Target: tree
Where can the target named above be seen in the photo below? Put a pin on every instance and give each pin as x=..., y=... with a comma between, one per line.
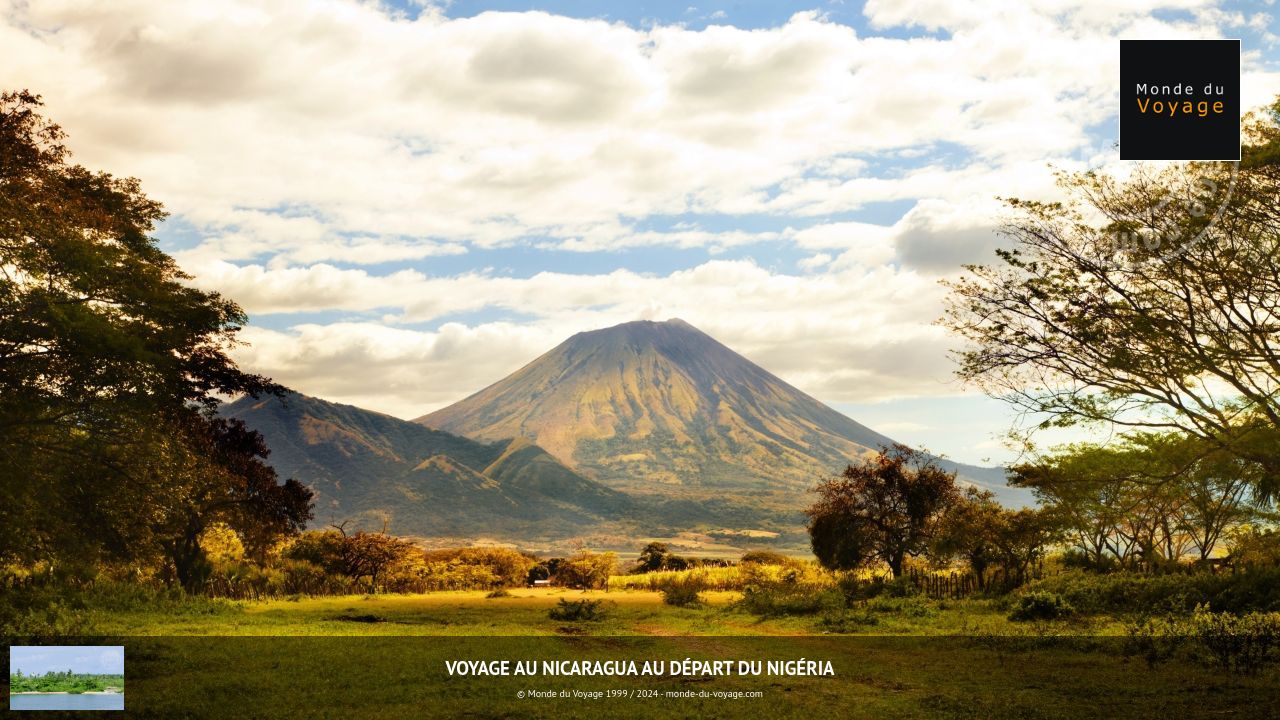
x=1162, y=315
x=1020, y=538
x=654, y=556
x=1085, y=489
x=1145, y=499
x=111, y=369
x=217, y=465
x=1215, y=489
x=587, y=570
x=986, y=535
x=968, y=530
x=369, y=554
x=883, y=510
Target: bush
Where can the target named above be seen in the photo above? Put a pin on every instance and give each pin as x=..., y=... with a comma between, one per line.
x=499, y=593
x=1251, y=546
x=1237, y=643
x=1155, y=639
x=1256, y=589
x=587, y=570
x=772, y=600
x=504, y=567
x=914, y=606
x=577, y=611
x=683, y=591
x=1040, y=606
x=844, y=621
x=899, y=587
x=765, y=557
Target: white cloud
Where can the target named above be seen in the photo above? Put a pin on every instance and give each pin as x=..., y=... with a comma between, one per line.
x=859, y=334
x=815, y=262
x=505, y=126
x=301, y=139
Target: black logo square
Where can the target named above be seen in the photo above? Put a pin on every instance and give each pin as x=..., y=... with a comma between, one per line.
x=1179, y=99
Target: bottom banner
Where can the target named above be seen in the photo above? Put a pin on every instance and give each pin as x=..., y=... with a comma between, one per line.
x=670, y=677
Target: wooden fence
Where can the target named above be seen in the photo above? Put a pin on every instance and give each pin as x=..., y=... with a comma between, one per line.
x=956, y=585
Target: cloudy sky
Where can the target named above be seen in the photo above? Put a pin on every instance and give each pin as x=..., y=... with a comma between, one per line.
x=89, y=659
x=413, y=199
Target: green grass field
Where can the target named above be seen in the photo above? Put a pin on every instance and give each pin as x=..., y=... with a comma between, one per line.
x=628, y=612
x=384, y=656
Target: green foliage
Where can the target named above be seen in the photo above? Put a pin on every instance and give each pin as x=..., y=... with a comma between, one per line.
x=788, y=590
x=1252, y=546
x=1039, y=605
x=1237, y=643
x=845, y=621
x=779, y=600
x=113, y=364
x=1108, y=306
x=496, y=594
x=765, y=557
x=1155, y=638
x=66, y=681
x=655, y=556
x=899, y=588
x=1144, y=501
x=908, y=606
x=684, y=591
x=587, y=570
x=400, y=567
x=578, y=611
x=884, y=510
x=1256, y=589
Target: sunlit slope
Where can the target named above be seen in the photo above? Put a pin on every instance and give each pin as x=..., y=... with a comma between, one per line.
x=664, y=408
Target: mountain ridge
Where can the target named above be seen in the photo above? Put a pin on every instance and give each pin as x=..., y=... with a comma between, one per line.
x=376, y=469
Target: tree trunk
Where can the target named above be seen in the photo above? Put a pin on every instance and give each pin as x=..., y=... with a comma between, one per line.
x=895, y=564
x=979, y=571
x=186, y=553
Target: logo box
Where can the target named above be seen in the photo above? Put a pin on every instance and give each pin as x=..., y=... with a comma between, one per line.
x=1180, y=100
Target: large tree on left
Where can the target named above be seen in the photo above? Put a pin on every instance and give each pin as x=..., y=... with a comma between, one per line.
x=110, y=371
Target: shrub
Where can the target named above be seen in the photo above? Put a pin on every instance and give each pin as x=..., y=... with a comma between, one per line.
x=1256, y=589
x=914, y=606
x=1251, y=546
x=1038, y=605
x=577, y=611
x=1080, y=560
x=499, y=593
x=1155, y=639
x=765, y=557
x=844, y=621
x=683, y=591
x=505, y=567
x=1238, y=643
x=899, y=587
x=772, y=600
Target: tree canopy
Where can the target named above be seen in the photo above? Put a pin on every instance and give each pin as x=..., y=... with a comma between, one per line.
x=1151, y=302
x=1146, y=499
x=111, y=369
x=883, y=510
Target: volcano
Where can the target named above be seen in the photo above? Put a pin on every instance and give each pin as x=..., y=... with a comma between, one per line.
x=662, y=408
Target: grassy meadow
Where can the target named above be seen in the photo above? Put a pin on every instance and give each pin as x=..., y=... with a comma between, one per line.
x=383, y=656
x=525, y=612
